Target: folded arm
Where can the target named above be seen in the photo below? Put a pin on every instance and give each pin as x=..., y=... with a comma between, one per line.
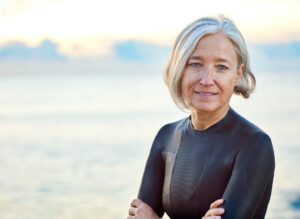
x=248, y=192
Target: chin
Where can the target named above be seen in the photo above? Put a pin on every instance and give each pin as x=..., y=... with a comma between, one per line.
x=207, y=108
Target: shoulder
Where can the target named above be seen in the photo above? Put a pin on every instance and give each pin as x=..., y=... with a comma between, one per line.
x=168, y=131
x=244, y=125
x=248, y=130
x=254, y=139
x=170, y=128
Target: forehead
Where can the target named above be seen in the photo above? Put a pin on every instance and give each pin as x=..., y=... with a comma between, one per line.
x=215, y=46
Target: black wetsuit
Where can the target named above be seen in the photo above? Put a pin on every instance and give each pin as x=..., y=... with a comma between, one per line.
x=188, y=169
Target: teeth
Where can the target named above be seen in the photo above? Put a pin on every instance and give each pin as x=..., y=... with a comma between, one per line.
x=205, y=93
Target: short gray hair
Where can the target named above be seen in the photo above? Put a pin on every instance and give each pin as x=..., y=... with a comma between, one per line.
x=185, y=44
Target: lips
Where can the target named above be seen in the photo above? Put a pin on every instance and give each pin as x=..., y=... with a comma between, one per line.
x=206, y=93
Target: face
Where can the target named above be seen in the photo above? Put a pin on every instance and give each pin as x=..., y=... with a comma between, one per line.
x=211, y=74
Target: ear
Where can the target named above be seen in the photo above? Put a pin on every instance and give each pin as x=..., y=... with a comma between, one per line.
x=240, y=71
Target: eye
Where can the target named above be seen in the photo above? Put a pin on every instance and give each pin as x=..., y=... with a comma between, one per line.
x=222, y=67
x=195, y=64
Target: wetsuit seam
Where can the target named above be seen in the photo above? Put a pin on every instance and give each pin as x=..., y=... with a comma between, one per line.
x=177, y=132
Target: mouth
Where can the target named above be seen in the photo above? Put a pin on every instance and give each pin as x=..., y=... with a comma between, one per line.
x=205, y=93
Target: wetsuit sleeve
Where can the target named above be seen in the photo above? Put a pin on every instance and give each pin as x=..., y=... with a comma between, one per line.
x=153, y=178
x=249, y=189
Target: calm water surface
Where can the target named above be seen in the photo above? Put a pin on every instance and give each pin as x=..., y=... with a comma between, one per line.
x=75, y=146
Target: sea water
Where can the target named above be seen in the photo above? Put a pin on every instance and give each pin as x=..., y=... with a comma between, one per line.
x=75, y=145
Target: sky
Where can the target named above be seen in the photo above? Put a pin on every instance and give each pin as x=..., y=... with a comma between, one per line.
x=90, y=27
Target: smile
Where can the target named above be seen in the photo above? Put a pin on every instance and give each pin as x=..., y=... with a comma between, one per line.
x=205, y=94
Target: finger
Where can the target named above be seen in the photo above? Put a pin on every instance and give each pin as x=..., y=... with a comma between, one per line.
x=211, y=217
x=136, y=202
x=215, y=212
x=216, y=203
x=132, y=211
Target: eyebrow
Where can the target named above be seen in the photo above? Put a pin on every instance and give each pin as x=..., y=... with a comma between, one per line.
x=218, y=59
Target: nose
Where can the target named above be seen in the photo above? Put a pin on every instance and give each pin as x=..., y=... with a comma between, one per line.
x=206, y=78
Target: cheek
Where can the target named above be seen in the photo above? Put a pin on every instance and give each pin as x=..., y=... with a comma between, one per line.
x=226, y=84
x=184, y=84
x=184, y=90
x=230, y=86
x=188, y=80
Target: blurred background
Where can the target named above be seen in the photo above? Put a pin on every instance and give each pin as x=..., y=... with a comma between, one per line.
x=82, y=97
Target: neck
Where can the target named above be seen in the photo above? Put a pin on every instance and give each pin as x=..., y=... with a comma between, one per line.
x=203, y=120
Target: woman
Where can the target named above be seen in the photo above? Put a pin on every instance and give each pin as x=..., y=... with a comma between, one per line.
x=215, y=160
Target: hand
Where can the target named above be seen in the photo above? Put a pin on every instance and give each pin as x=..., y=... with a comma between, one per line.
x=214, y=211
x=140, y=210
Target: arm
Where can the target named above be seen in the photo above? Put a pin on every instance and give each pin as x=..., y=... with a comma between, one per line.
x=153, y=178
x=248, y=191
